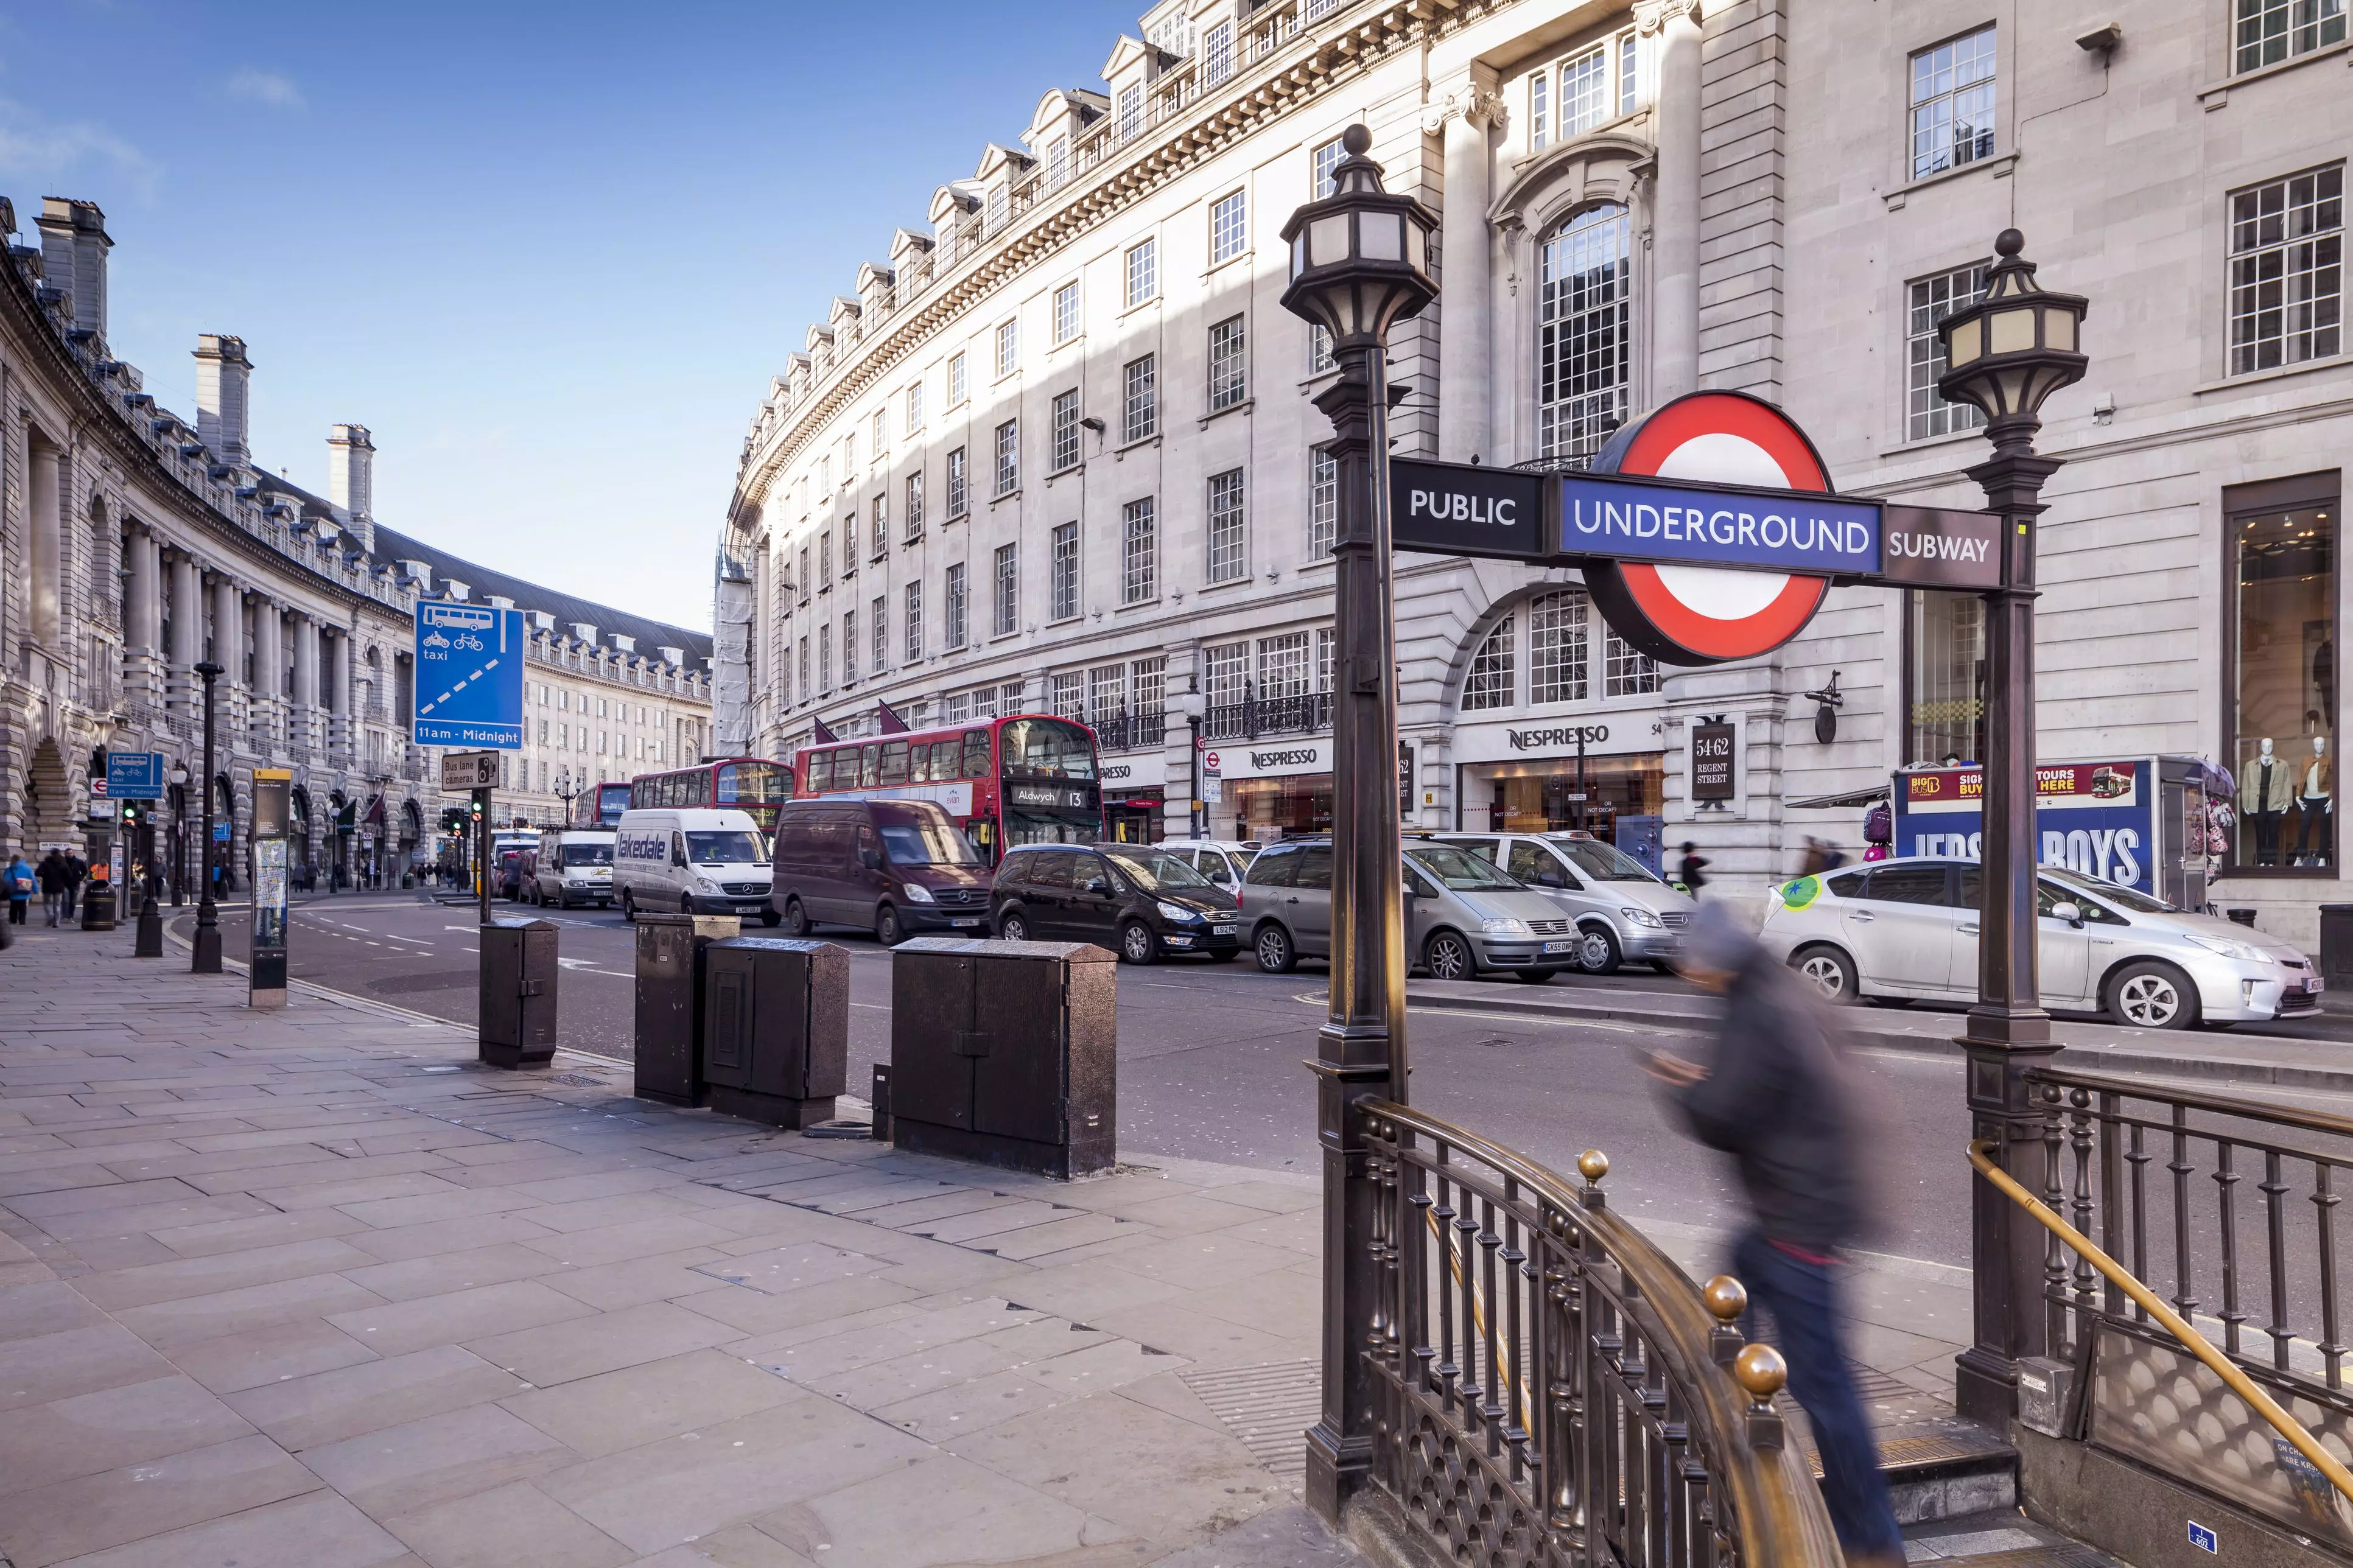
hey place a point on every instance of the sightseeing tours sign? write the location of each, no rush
(1707, 530)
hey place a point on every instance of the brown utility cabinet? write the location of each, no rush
(1006, 1052)
(776, 1029)
(516, 1018)
(670, 1021)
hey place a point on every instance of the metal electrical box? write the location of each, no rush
(670, 1021)
(775, 1045)
(1006, 1052)
(517, 1015)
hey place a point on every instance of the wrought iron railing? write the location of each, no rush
(1548, 1388)
(1305, 714)
(2197, 1195)
(1125, 731)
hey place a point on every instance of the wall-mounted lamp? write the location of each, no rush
(1826, 716)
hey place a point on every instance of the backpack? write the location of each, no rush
(1878, 824)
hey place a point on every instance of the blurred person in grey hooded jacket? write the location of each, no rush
(1776, 1094)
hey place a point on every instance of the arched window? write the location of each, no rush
(1492, 669)
(1583, 347)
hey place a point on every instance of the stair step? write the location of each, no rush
(2004, 1539)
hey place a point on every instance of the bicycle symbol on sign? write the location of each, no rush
(468, 640)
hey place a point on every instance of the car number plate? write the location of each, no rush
(970, 923)
(1222, 931)
(2315, 985)
(1566, 946)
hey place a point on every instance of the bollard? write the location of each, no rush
(517, 1016)
(669, 1018)
(880, 1129)
(1006, 1052)
(775, 1046)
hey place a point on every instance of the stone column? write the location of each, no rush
(47, 545)
(306, 685)
(1674, 248)
(1465, 330)
(269, 678)
(228, 652)
(142, 616)
(339, 698)
(187, 642)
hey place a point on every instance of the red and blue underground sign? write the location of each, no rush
(1707, 530)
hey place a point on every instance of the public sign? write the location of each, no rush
(134, 776)
(220, 832)
(2097, 818)
(1712, 761)
(97, 790)
(1707, 530)
(470, 769)
(1461, 509)
(469, 661)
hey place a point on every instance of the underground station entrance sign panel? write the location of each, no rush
(1707, 530)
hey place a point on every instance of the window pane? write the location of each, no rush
(1066, 432)
(1953, 104)
(1930, 300)
(2287, 284)
(1065, 584)
(1947, 679)
(1229, 230)
(1066, 313)
(1490, 682)
(1558, 648)
(1228, 528)
(1585, 332)
(1139, 552)
(1229, 379)
(1626, 672)
(2285, 585)
(1142, 272)
(1323, 503)
(1007, 590)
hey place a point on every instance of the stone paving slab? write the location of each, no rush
(312, 1288)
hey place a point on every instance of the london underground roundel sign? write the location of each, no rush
(1705, 615)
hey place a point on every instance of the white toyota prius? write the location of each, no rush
(1908, 929)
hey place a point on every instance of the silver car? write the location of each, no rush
(1463, 916)
(1221, 860)
(1621, 910)
(1908, 928)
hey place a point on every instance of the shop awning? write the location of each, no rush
(1847, 801)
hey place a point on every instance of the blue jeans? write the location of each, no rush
(1803, 1299)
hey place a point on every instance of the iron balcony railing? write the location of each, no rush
(1306, 713)
(1125, 731)
(1548, 1389)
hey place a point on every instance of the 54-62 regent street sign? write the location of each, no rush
(1707, 530)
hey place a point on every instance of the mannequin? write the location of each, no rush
(2311, 833)
(2264, 790)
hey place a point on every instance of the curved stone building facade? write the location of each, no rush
(136, 544)
(1054, 447)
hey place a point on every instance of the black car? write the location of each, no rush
(1137, 901)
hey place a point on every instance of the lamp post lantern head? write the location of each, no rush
(1359, 257)
(211, 671)
(2014, 347)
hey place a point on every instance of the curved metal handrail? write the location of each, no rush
(1981, 1152)
(1776, 1501)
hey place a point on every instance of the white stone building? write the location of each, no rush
(135, 545)
(1056, 447)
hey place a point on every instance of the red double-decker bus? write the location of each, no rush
(751, 785)
(600, 806)
(1027, 779)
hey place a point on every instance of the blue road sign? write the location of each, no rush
(134, 776)
(468, 676)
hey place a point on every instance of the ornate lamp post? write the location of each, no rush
(204, 958)
(2006, 355)
(1359, 264)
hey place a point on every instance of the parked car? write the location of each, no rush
(1621, 911)
(1137, 900)
(1221, 860)
(895, 867)
(1464, 915)
(1905, 929)
(571, 866)
(696, 861)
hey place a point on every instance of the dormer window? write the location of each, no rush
(1218, 54)
(996, 207)
(1058, 161)
(1130, 110)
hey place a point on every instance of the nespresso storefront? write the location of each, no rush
(1134, 791)
(1272, 789)
(1527, 778)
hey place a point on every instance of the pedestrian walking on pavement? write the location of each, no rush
(1688, 870)
(20, 880)
(1776, 1094)
(77, 872)
(52, 875)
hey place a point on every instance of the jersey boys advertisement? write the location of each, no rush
(2097, 818)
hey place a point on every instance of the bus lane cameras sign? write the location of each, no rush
(469, 662)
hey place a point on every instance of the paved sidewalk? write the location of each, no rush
(311, 1289)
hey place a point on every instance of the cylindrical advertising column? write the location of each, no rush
(266, 967)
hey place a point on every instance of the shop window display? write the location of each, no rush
(2284, 717)
(1945, 677)
(1538, 794)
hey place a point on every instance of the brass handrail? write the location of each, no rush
(1782, 1518)
(2239, 1383)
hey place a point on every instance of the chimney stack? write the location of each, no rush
(73, 256)
(350, 480)
(222, 374)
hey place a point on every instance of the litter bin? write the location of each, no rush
(776, 1047)
(517, 1016)
(98, 907)
(669, 1003)
(2337, 945)
(1006, 1052)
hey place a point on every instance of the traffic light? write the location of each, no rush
(474, 811)
(135, 812)
(454, 820)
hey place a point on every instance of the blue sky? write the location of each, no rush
(549, 255)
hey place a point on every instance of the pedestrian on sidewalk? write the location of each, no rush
(51, 873)
(1688, 870)
(77, 872)
(1776, 1094)
(20, 881)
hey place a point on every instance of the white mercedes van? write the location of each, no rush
(695, 862)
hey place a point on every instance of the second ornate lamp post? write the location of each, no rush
(204, 958)
(2006, 355)
(1359, 264)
